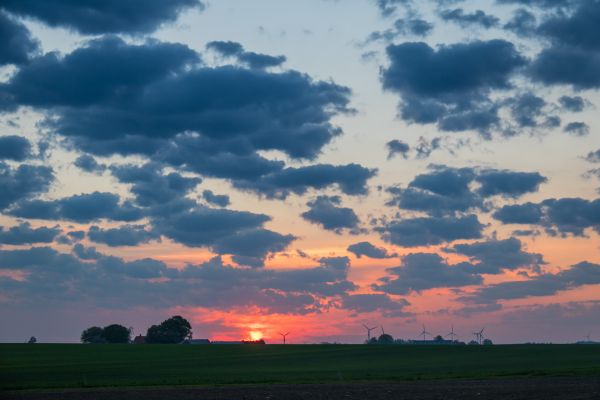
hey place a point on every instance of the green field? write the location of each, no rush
(65, 366)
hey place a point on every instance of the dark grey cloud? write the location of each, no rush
(389, 7)
(446, 190)
(86, 253)
(577, 128)
(221, 200)
(572, 103)
(80, 208)
(15, 148)
(93, 17)
(528, 213)
(369, 250)
(25, 234)
(422, 271)
(111, 282)
(157, 100)
(326, 212)
(523, 22)
(150, 186)
(574, 55)
(584, 273)
(477, 17)
(425, 147)
(397, 147)
(238, 233)
(103, 70)
(508, 183)
(451, 85)
(126, 235)
(251, 246)
(593, 156)
(426, 231)
(351, 179)
(559, 216)
(17, 43)
(409, 26)
(495, 256)
(89, 164)
(23, 182)
(251, 59)
(366, 303)
(526, 110)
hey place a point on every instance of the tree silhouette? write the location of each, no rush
(171, 331)
(92, 335)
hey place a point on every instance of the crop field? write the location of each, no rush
(75, 366)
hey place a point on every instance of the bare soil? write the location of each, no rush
(543, 388)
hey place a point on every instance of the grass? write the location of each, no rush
(39, 366)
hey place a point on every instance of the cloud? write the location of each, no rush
(564, 216)
(249, 58)
(397, 147)
(325, 212)
(574, 55)
(451, 85)
(584, 273)
(221, 200)
(86, 253)
(523, 22)
(388, 7)
(351, 179)
(15, 148)
(250, 247)
(446, 190)
(509, 184)
(93, 18)
(593, 156)
(411, 232)
(111, 282)
(577, 128)
(80, 208)
(239, 233)
(366, 303)
(528, 213)
(495, 256)
(422, 271)
(89, 164)
(17, 43)
(368, 250)
(22, 182)
(24, 234)
(527, 109)
(149, 185)
(572, 103)
(478, 17)
(126, 235)
(402, 27)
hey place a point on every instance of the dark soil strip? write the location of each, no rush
(506, 389)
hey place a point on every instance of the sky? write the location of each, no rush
(301, 166)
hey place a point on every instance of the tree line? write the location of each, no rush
(171, 331)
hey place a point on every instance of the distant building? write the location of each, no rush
(139, 339)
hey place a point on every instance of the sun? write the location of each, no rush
(256, 335)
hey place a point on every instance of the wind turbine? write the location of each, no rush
(453, 336)
(479, 335)
(424, 333)
(369, 331)
(284, 335)
(382, 331)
